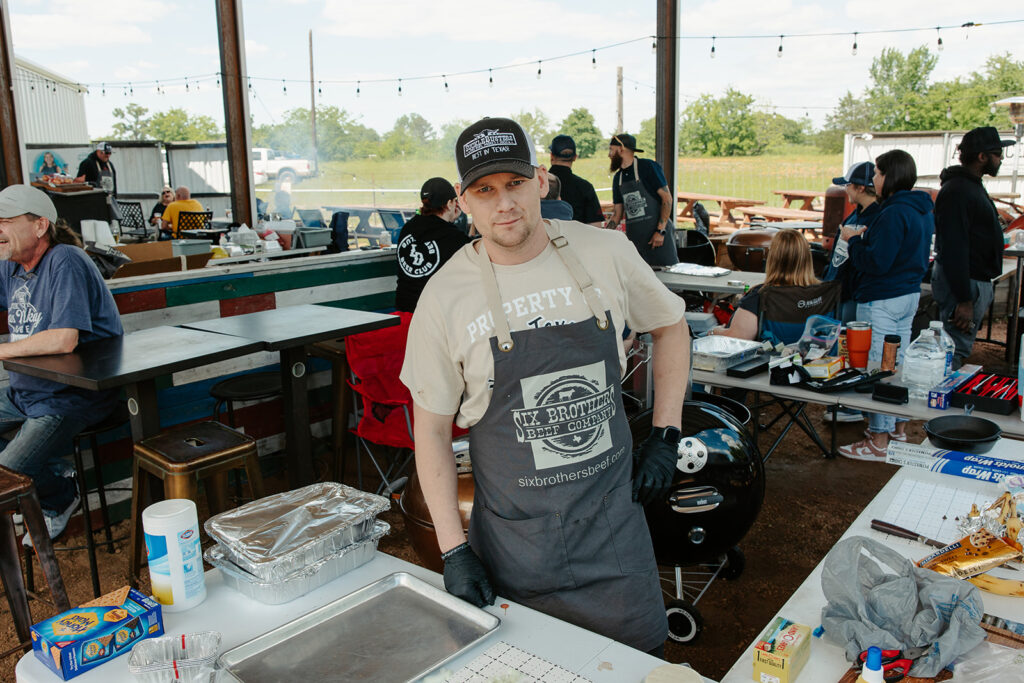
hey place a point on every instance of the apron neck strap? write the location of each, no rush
(572, 264)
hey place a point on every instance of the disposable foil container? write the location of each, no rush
(301, 582)
(278, 535)
(186, 658)
(718, 353)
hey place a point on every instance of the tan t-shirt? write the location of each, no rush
(448, 365)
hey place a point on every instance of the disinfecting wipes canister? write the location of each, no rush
(174, 554)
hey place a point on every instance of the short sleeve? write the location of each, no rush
(652, 176)
(432, 376)
(616, 194)
(751, 301)
(649, 304)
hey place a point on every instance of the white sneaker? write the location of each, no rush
(844, 415)
(56, 522)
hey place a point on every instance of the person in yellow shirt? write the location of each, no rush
(182, 202)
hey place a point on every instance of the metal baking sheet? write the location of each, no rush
(395, 630)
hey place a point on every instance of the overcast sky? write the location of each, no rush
(108, 41)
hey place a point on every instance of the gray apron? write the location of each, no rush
(553, 516)
(642, 214)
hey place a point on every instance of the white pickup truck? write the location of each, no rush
(278, 165)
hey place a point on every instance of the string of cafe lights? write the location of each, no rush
(195, 82)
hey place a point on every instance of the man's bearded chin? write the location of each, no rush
(616, 163)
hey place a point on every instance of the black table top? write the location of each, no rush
(292, 326)
(110, 363)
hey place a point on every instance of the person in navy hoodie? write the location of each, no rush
(891, 258)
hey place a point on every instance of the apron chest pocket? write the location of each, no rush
(526, 557)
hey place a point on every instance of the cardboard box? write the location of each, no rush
(157, 257)
(938, 397)
(824, 368)
(781, 651)
(94, 633)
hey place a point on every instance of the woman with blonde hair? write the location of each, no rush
(789, 264)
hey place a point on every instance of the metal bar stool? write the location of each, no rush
(18, 494)
(180, 457)
(252, 386)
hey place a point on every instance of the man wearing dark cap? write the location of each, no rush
(968, 239)
(427, 241)
(55, 299)
(579, 193)
(640, 192)
(518, 339)
(98, 170)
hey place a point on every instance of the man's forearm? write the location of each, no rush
(671, 351)
(45, 343)
(435, 468)
(616, 217)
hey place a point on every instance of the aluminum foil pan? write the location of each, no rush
(717, 352)
(278, 535)
(301, 582)
(187, 658)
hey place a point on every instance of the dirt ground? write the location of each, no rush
(809, 503)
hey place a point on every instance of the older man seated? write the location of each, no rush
(55, 299)
(182, 202)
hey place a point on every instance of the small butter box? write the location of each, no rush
(824, 368)
(781, 651)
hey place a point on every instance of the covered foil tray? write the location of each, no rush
(278, 535)
(301, 582)
(717, 353)
(397, 629)
(185, 658)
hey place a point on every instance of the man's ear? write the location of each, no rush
(461, 197)
(542, 177)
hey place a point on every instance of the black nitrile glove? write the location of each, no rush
(655, 466)
(465, 576)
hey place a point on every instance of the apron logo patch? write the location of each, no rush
(565, 415)
(635, 204)
(416, 259)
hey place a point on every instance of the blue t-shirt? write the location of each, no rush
(65, 290)
(651, 175)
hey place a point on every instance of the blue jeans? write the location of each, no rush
(38, 451)
(888, 316)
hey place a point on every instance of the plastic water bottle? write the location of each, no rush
(924, 365)
(946, 342)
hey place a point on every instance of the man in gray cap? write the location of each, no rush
(579, 193)
(98, 170)
(55, 299)
(968, 239)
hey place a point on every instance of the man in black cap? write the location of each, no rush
(427, 241)
(968, 239)
(579, 193)
(640, 192)
(98, 170)
(518, 339)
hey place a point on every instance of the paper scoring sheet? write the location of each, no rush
(506, 662)
(931, 510)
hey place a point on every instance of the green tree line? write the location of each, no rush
(901, 96)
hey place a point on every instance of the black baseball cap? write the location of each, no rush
(437, 192)
(983, 139)
(563, 146)
(494, 145)
(861, 173)
(624, 140)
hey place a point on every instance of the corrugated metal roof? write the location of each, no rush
(50, 108)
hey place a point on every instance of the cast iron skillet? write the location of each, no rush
(963, 433)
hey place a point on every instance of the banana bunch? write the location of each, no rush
(1008, 516)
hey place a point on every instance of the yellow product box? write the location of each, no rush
(824, 368)
(781, 651)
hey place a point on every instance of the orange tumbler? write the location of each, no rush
(858, 343)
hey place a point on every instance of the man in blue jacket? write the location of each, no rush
(968, 239)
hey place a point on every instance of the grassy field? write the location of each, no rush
(372, 182)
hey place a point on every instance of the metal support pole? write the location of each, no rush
(312, 107)
(667, 81)
(235, 88)
(10, 145)
(618, 99)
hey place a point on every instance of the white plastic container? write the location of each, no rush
(174, 554)
(946, 342)
(924, 365)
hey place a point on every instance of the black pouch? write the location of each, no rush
(890, 393)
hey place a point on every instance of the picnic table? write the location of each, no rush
(805, 196)
(727, 204)
(775, 213)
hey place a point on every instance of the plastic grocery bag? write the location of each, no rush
(989, 663)
(878, 597)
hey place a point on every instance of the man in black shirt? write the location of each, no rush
(968, 239)
(98, 170)
(427, 241)
(578, 192)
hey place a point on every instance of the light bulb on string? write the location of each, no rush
(319, 87)
(949, 112)
(654, 46)
(399, 87)
(853, 50)
(538, 69)
(906, 117)
(779, 53)
(712, 47)
(593, 59)
(445, 82)
(186, 85)
(131, 90)
(358, 88)
(103, 90)
(284, 87)
(992, 109)
(939, 42)
(490, 78)
(218, 80)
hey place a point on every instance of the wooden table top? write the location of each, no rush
(776, 213)
(284, 328)
(117, 361)
(799, 193)
(700, 197)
